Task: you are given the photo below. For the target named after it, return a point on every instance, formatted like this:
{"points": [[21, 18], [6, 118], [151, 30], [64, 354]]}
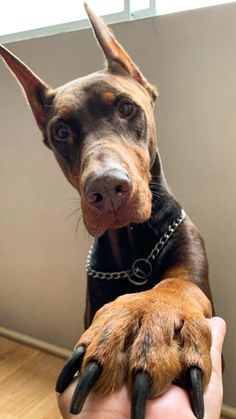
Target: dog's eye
{"points": [[126, 109], [61, 132]]}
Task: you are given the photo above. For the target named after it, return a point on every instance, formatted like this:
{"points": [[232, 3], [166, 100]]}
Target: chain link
{"points": [[136, 272]]}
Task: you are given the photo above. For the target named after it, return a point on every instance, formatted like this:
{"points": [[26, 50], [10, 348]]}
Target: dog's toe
{"points": [[85, 384], [156, 349], [71, 367], [195, 386], [140, 395]]}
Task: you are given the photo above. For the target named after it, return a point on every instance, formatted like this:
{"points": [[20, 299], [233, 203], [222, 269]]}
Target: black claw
{"points": [[140, 394], [71, 366], [195, 382], [86, 381]]}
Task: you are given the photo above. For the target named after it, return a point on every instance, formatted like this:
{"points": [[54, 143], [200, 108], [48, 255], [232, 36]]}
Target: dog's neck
{"points": [[117, 249]]}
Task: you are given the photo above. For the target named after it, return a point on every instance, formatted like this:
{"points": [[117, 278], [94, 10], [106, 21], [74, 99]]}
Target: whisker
{"points": [[154, 187], [155, 190], [74, 198], [156, 196], [78, 224], [153, 182], [74, 212]]}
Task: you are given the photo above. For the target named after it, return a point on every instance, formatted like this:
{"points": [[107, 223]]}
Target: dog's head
{"points": [[101, 130]]}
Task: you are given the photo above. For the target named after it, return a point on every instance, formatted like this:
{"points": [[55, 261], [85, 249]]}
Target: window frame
{"points": [[124, 16]]}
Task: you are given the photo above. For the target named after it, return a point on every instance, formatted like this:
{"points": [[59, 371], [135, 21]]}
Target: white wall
{"points": [[192, 58]]}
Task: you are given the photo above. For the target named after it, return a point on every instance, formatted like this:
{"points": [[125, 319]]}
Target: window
{"points": [[170, 6], [22, 19]]}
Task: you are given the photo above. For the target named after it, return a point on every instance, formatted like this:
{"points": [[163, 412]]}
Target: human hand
{"points": [[174, 403]]}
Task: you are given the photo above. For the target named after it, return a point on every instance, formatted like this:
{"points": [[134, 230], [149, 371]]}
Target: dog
{"points": [[148, 294]]}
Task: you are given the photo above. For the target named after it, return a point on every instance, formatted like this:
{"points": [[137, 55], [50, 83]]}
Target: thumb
{"points": [[218, 330], [214, 393]]}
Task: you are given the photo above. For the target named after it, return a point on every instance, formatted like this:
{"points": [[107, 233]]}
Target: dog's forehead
{"points": [[101, 86]]}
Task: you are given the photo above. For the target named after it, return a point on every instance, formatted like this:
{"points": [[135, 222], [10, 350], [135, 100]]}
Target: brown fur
{"points": [[163, 327], [136, 161]]}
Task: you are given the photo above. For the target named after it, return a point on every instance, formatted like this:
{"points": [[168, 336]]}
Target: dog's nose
{"points": [[108, 191]]}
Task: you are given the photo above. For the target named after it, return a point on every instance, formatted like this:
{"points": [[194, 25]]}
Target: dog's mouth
{"points": [[136, 210]]}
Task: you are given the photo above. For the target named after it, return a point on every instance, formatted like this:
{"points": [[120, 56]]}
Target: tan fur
{"points": [[136, 161], [162, 331], [109, 97]]}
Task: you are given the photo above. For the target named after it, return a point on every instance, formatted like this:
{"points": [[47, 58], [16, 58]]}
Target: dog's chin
{"points": [[136, 210], [100, 224]]}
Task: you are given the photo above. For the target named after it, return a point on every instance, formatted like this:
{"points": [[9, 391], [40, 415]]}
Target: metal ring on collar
{"points": [[132, 281]]}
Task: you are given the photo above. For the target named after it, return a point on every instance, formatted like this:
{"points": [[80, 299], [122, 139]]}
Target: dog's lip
{"points": [[97, 221], [97, 230]]}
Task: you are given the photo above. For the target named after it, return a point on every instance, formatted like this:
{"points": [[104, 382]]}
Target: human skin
{"points": [[173, 404]]}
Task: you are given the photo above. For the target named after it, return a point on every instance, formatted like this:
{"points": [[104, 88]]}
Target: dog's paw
{"points": [[147, 341]]}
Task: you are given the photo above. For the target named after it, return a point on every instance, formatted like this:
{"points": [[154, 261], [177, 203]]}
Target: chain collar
{"points": [[141, 269]]}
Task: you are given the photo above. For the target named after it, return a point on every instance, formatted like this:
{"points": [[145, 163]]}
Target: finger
{"points": [[218, 330], [140, 394], [195, 383], [86, 382], [71, 366]]}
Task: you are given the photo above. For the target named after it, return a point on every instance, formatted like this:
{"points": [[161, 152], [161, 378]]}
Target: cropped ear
{"points": [[115, 54], [35, 89]]}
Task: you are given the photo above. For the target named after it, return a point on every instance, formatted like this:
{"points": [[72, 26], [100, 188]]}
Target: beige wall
{"points": [[192, 58]]}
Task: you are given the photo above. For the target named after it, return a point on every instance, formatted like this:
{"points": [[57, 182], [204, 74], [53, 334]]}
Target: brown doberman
{"points": [[148, 295]]}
